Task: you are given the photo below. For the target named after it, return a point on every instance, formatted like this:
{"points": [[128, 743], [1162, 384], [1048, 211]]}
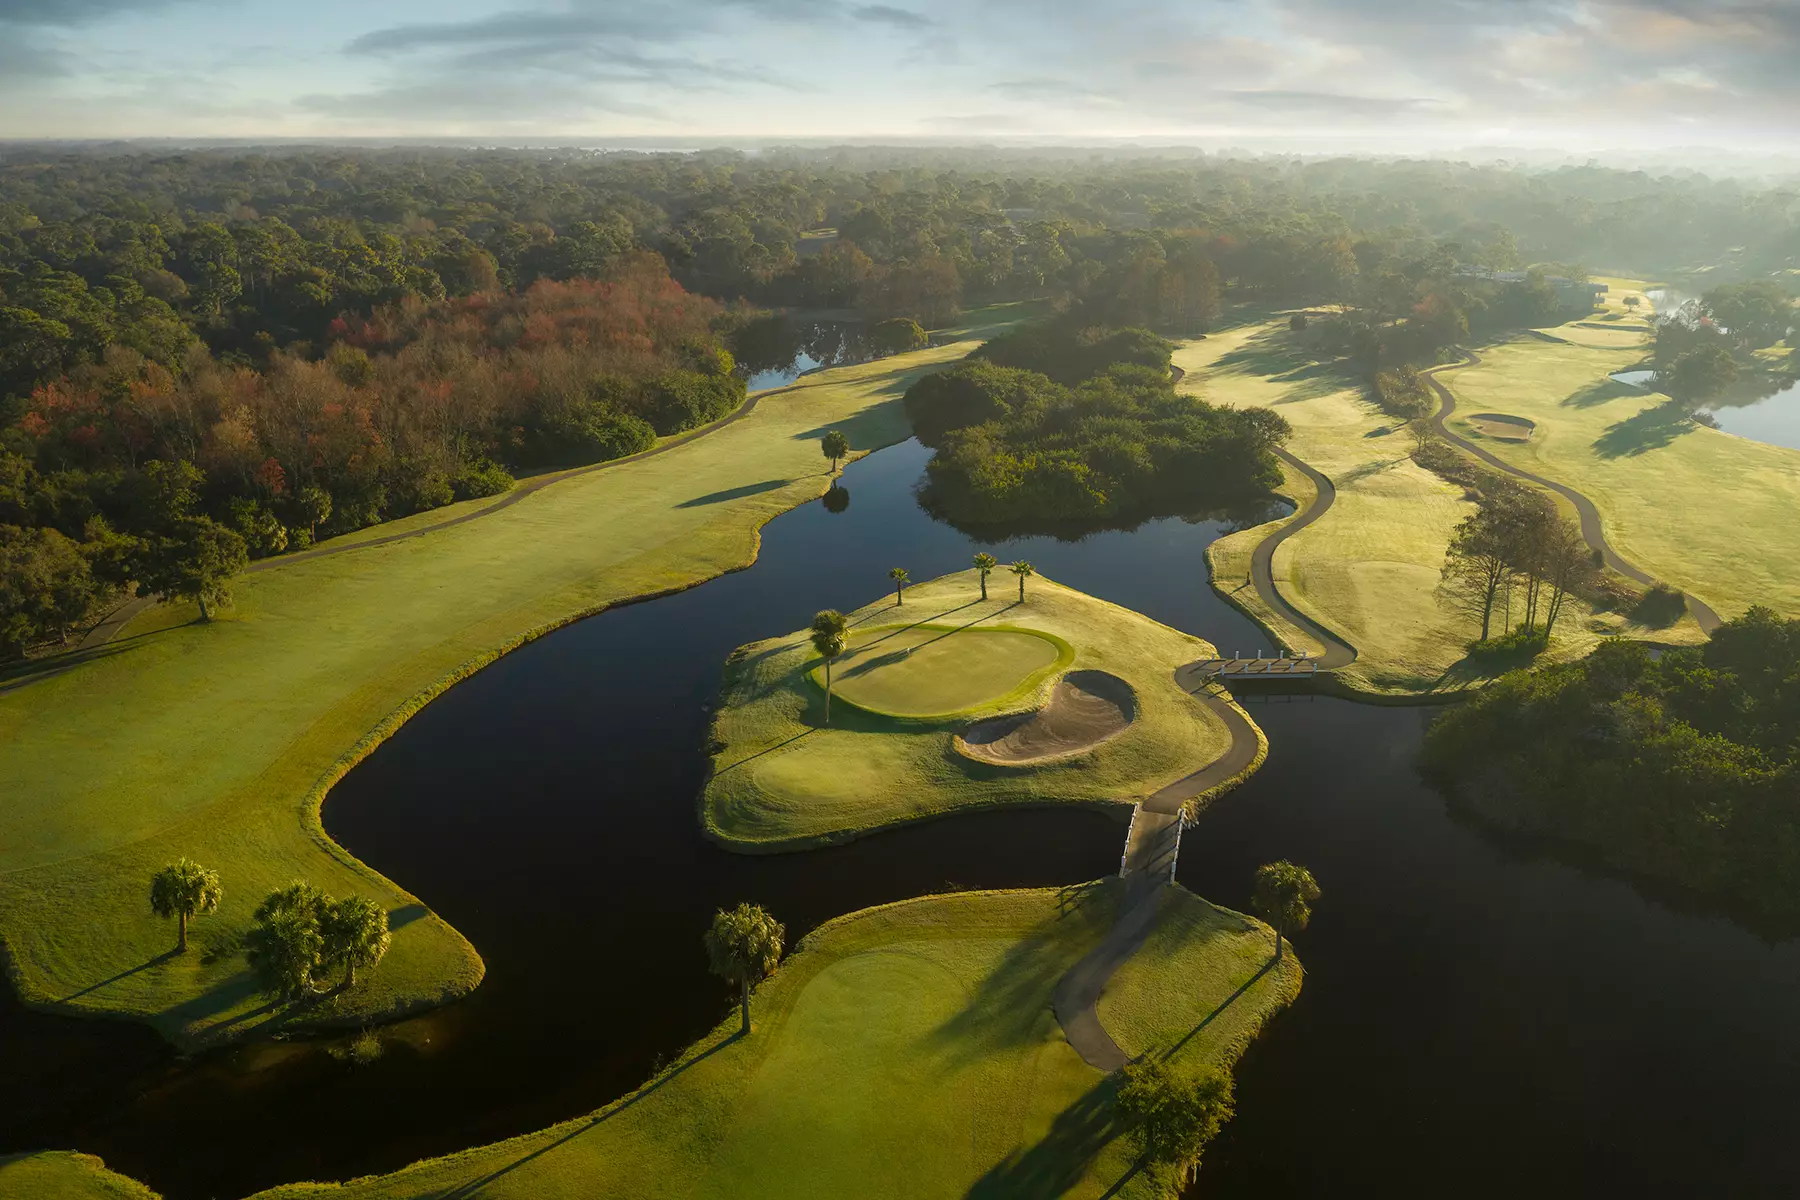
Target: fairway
{"points": [[1707, 511], [940, 670], [1369, 569], [783, 779], [218, 742]]}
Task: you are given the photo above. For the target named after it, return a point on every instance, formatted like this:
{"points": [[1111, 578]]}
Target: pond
{"points": [[1472, 1011], [774, 351], [1763, 410]]}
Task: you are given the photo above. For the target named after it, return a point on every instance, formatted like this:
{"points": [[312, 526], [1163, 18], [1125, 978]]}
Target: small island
{"points": [[944, 701]]}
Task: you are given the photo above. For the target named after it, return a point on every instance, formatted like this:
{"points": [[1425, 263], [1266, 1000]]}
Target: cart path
{"points": [[1593, 530]]}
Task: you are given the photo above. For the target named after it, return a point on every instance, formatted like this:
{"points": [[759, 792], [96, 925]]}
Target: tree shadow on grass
{"points": [[1219, 1008], [1063, 1157], [90, 989], [1006, 1007], [1651, 429], [34, 670], [1602, 391], [736, 493], [474, 1187]]}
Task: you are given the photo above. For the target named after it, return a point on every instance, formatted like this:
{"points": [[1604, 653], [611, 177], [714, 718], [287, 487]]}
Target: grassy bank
{"points": [[782, 779], [1707, 511], [218, 741], [60, 1175], [920, 1024], [1369, 569]]}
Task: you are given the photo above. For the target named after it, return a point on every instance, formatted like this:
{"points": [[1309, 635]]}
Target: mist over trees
{"points": [[332, 338]]}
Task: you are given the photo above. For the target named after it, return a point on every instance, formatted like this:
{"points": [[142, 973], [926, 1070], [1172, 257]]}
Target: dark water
{"points": [[775, 351], [1475, 1021]]}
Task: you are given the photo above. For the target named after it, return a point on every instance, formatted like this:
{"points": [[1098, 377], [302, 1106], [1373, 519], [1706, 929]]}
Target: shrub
{"points": [[480, 478], [1660, 607]]}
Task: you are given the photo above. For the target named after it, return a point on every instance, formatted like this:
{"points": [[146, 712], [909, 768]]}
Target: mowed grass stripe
{"points": [[219, 741]]}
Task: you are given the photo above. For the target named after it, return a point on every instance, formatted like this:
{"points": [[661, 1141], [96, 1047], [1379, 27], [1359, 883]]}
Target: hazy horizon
{"points": [[1619, 79]]}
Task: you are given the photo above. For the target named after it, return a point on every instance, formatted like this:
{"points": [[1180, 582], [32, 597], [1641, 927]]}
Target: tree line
{"points": [[1084, 425], [1680, 766]]}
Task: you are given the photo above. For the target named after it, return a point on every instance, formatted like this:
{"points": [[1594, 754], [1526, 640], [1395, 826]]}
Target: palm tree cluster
{"points": [[301, 935]]}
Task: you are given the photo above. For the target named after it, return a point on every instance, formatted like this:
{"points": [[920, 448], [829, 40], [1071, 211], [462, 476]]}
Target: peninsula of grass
{"points": [[218, 742], [1705, 510], [922, 1023], [1369, 569], [63, 1175], [922, 673]]}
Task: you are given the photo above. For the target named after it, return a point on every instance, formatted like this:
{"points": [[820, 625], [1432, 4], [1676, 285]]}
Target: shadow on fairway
{"points": [[1221, 1007], [736, 493], [1058, 1162], [1651, 429], [463, 1191], [91, 988]]}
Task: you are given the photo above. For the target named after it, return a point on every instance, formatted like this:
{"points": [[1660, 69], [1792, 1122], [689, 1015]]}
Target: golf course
{"points": [[1703, 510], [219, 741], [923, 1021], [1366, 569], [946, 702]]}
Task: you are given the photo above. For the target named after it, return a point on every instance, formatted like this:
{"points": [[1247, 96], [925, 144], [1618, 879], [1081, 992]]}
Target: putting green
{"points": [[783, 778], [934, 670]]}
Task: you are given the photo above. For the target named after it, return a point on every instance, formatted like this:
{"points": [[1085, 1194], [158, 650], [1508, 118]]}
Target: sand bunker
{"points": [[1502, 427], [1086, 709]]}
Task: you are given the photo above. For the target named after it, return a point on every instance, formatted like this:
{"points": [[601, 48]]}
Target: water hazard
{"points": [[1472, 1012]]}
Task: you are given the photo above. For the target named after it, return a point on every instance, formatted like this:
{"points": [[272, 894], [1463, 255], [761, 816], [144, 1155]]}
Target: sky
{"points": [[1403, 75]]}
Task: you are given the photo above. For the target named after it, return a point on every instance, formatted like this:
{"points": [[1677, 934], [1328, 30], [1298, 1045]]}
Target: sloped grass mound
{"points": [[940, 670], [1086, 709], [783, 779]]}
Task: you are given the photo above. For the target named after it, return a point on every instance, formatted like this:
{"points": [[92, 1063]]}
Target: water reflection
{"points": [[774, 351]]}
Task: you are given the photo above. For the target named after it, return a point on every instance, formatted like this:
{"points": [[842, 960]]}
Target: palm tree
{"points": [[985, 563], [743, 947], [836, 446], [285, 943], [182, 889], [830, 637], [355, 933], [1283, 897], [901, 579], [1023, 570]]}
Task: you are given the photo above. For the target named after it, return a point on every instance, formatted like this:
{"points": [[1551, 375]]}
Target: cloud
{"points": [[899, 18], [1050, 91], [71, 12]]}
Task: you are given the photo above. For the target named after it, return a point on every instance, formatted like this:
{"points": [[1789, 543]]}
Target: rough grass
{"points": [[908, 1050], [1707, 511], [782, 779], [218, 741], [942, 670], [1369, 569], [60, 1175]]}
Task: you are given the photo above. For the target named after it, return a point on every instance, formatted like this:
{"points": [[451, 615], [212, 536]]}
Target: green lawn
{"points": [[920, 1024], [782, 779], [1709, 512], [218, 742], [942, 670], [1369, 569], [61, 1175]]}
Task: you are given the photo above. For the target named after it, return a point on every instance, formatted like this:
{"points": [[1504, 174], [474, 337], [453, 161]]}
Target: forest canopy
{"points": [[1084, 426], [1681, 767]]}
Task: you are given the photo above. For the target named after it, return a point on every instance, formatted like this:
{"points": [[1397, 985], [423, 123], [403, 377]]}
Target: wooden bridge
{"points": [[1238, 666]]}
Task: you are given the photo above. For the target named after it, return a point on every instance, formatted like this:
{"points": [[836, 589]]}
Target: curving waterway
{"points": [[1478, 1018]]}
